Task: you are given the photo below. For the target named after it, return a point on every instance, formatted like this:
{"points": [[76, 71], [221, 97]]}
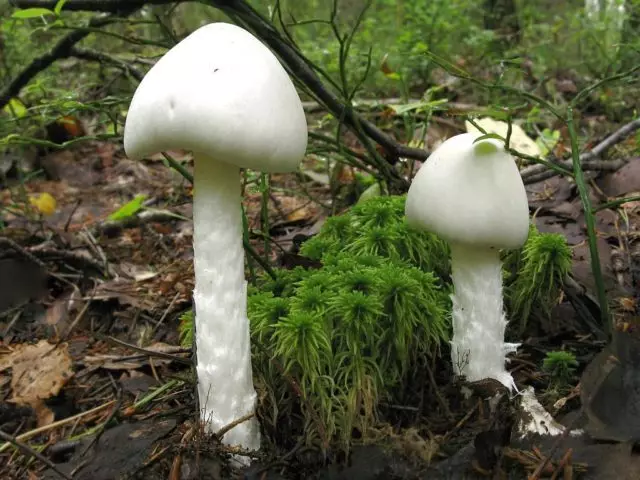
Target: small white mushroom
{"points": [[471, 195], [222, 94]]}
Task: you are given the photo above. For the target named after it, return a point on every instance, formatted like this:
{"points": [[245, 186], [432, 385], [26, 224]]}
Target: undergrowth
{"points": [[333, 343]]}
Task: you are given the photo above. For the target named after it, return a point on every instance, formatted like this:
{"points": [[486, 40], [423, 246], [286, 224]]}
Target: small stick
{"points": [[166, 312], [441, 400], [26, 450], [566, 459], [144, 351], [112, 414], [59, 423], [221, 433]]}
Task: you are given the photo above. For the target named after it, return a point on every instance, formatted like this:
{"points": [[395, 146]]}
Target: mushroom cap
{"points": [[470, 193], [221, 93]]}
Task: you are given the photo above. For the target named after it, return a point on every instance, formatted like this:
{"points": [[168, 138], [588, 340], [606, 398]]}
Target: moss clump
{"points": [[331, 344], [540, 267], [378, 227], [560, 366], [346, 335]]}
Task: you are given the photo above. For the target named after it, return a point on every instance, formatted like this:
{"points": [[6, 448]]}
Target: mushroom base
{"points": [[222, 338], [478, 349]]}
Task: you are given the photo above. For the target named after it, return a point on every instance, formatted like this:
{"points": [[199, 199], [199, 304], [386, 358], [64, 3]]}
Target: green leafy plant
{"points": [[560, 366], [186, 328]]}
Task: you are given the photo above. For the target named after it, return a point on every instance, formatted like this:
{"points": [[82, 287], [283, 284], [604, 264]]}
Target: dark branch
{"points": [[103, 58], [298, 66], [62, 49], [293, 60], [590, 160]]}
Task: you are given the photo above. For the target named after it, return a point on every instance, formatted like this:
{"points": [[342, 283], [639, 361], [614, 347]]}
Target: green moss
{"points": [[378, 227], [331, 344], [540, 269], [560, 366], [348, 335]]}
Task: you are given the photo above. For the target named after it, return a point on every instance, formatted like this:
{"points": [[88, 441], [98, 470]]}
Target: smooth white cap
{"points": [[470, 193], [222, 93]]}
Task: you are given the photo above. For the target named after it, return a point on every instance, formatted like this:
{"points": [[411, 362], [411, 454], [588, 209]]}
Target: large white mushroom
{"points": [[471, 195], [222, 94]]}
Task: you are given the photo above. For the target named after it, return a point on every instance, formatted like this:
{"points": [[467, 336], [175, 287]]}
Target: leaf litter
{"points": [[99, 405]]}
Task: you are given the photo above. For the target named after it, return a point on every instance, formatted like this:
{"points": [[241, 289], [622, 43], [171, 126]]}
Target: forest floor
{"points": [[92, 377]]}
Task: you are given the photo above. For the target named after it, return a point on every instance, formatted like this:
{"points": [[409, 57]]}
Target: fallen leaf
{"points": [[38, 372], [44, 203], [125, 291], [622, 182], [518, 140]]}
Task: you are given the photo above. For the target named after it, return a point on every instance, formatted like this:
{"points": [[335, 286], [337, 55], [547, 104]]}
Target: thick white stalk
{"points": [[225, 382], [478, 349]]}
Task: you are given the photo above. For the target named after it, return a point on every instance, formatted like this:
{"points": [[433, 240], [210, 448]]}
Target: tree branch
{"points": [[298, 66], [590, 160], [62, 49], [292, 59], [96, 56]]}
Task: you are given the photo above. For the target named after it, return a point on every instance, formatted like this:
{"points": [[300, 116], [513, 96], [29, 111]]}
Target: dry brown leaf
{"points": [[125, 291], [38, 371]]}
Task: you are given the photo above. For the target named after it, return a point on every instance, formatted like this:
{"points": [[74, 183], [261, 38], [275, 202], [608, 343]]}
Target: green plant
{"points": [[560, 366], [344, 336], [541, 266], [378, 227], [347, 333], [185, 329]]}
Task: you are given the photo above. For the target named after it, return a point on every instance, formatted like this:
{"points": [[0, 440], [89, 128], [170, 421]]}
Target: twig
{"points": [[76, 320], [100, 57], [221, 433], [461, 423], [149, 353], [311, 107], [439, 397], [112, 414], [587, 165], [166, 311], [29, 255], [589, 160], [26, 450], [564, 461], [59, 423]]}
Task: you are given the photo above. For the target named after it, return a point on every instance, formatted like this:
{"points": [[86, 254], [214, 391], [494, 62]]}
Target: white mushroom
{"points": [[222, 94], [471, 195]]}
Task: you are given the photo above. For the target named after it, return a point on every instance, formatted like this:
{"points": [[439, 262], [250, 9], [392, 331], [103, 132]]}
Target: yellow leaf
{"points": [[44, 203]]}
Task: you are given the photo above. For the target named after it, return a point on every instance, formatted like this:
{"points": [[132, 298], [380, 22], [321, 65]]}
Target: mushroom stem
{"points": [[478, 349], [225, 382]]}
